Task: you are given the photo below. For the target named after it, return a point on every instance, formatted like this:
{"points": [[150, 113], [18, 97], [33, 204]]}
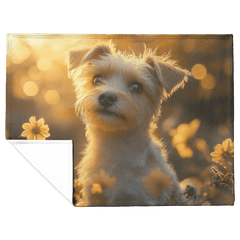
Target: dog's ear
{"points": [[77, 58], [97, 51], [170, 75]]}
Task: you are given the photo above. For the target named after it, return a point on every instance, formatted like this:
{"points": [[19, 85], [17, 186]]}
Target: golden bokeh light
{"points": [[52, 97], [181, 136], [199, 71], [22, 52], [34, 73], [44, 63], [18, 80], [186, 152], [209, 82], [57, 46], [30, 88], [201, 144], [19, 54], [16, 60], [223, 130]]}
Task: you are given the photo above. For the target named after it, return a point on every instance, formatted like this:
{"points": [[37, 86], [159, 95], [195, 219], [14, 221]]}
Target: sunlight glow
{"points": [[57, 45], [52, 97], [16, 60], [201, 144], [186, 152], [19, 54], [199, 71], [34, 73], [18, 81], [30, 88], [22, 52], [44, 63], [209, 82], [223, 130]]}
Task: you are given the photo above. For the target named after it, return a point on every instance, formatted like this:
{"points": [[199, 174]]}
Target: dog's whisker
{"points": [[72, 106]]}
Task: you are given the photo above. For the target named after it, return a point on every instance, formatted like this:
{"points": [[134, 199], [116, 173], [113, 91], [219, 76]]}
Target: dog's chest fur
{"points": [[127, 158]]}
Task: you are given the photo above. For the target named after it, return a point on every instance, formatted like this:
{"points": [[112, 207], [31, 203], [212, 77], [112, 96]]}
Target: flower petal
{"points": [[217, 160], [216, 157], [231, 152], [219, 148], [26, 133], [216, 154], [226, 144], [27, 126], [40, 122], [45, 134], [213, 153], [33, 121], [231, 148], [30, 137], [40, 137], [44, 128]]}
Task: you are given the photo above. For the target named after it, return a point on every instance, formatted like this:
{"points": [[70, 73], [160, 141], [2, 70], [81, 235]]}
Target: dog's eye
{"points": [[97, 80], [136, 88]]}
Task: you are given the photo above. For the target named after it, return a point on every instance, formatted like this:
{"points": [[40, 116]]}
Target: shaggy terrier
{"points": [[119, 100]]}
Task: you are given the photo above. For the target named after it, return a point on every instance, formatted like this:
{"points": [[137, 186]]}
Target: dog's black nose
{"points": [[107, 99]]}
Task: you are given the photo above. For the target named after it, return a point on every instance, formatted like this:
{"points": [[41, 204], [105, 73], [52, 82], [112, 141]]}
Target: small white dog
{"points": [[119, 99]]}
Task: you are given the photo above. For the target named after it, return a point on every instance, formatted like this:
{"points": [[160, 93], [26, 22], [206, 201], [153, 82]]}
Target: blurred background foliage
{"points": [[194, 120]]}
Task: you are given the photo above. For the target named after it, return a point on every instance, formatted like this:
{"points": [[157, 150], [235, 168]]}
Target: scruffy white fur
{"points": [[123, 163]]}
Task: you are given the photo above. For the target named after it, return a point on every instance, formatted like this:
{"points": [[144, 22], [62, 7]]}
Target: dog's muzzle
{"points": [[107, 99]]}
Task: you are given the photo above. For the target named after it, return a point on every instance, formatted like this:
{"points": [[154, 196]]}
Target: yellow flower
{"points": [[156, 181], [77, 190], [96, 188], [102, 181], [223, 153], [35, 130]]}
